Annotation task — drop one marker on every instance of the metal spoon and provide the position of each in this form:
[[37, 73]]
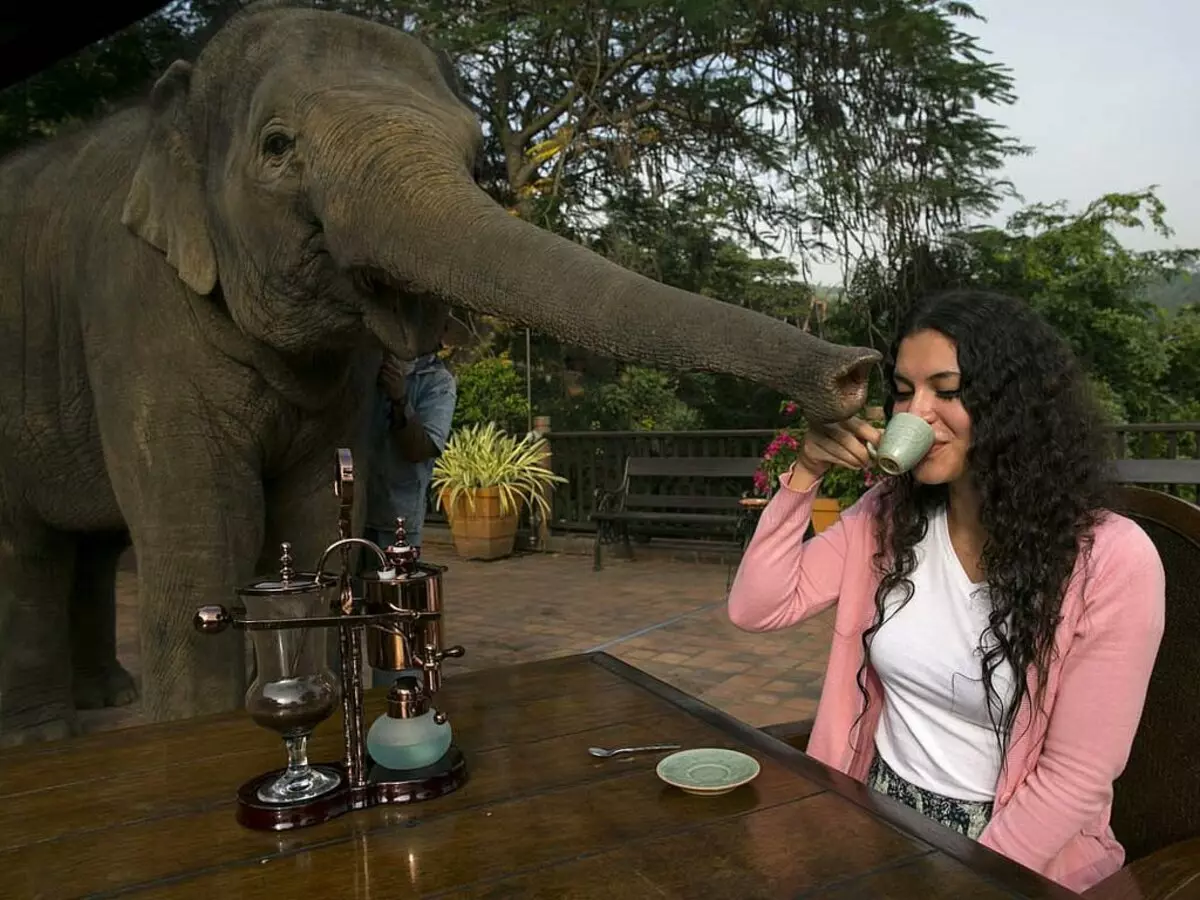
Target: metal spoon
[[605, 754]]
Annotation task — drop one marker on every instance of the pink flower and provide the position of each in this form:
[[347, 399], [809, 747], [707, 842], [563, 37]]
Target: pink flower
[[761, 482], [790, 409]]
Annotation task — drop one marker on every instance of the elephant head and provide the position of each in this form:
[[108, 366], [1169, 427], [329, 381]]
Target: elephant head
[[313, 172]]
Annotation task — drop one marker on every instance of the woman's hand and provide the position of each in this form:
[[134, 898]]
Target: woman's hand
[[834, 444]]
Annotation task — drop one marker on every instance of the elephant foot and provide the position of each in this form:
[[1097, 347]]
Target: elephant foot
[[49, 729], [111, 687]]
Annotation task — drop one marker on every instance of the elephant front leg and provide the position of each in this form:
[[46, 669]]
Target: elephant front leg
[[198, 533], [36, 564], [98, 679], [302, 510]]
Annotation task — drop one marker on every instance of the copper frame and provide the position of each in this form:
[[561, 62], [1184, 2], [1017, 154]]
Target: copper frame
[[363, 783]]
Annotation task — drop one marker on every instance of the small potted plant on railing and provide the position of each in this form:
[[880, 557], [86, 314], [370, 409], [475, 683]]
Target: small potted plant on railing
[[482, 479], [840, 487]]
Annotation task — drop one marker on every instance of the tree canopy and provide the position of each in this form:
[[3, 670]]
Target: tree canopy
[[724, 147]]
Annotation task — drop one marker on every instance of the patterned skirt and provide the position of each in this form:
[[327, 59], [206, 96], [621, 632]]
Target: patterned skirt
[[967, 817]]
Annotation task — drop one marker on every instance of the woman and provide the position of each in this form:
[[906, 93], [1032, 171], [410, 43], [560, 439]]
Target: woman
[[986, 583]]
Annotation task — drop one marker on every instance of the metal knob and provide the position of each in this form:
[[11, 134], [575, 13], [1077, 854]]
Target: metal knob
[[286, 569], [454, 652], [401, 554], [212, 619]]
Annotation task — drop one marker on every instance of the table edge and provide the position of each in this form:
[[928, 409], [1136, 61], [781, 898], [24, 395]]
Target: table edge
[[958, 847]]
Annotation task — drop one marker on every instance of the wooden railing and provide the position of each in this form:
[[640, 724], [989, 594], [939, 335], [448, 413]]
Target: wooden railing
[[1157, 440], [596, 459]]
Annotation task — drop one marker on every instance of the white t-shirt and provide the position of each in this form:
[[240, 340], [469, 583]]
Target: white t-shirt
[[934, 730]]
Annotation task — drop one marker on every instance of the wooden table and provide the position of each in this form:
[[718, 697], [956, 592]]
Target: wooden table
[[148, 812]]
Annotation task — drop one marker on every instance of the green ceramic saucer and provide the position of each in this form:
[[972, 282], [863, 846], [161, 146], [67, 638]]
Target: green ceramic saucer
[[708, 771]]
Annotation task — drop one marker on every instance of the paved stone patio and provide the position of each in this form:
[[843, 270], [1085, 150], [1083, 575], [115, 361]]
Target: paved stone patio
[[662, 615]]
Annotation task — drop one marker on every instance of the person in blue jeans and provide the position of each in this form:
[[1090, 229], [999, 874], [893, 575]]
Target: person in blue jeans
[[409, 430]]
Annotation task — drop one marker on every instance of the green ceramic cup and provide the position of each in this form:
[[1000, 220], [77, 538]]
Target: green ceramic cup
[[905, 442]]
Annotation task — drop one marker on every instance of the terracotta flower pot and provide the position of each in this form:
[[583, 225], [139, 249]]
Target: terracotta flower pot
[[825, 512], [482, 532]]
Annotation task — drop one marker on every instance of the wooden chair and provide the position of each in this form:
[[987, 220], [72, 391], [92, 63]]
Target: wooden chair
[[1156, 803]]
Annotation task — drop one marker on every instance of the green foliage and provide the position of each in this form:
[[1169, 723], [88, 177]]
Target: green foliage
[[644, 400], [1108, 400], [697, 142], [491, 390], [720, 147], [483, 456], [1074, 269], [843, 485], [91, 83], [797, 119], [1172, 293], [1179, 388], [846, 486]]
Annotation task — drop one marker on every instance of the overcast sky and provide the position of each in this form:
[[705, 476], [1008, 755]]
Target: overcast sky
[[1108, 95]]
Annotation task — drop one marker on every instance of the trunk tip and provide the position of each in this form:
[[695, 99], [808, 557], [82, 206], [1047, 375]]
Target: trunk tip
[[844, 392]]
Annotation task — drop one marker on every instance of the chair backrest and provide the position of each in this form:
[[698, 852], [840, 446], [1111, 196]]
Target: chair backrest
[[1157, 798]]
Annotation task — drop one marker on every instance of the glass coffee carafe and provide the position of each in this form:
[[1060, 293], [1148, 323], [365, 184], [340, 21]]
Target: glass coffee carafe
[[294, 689]]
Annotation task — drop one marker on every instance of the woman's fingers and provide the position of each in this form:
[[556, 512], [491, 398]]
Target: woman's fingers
[[828, 448], [863, 430], [844, 443], [855, 448]]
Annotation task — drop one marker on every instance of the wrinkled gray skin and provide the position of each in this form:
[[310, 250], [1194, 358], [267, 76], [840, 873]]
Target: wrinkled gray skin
[[190, 296]]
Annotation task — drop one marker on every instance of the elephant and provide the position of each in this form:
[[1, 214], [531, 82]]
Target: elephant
[[195, 293]]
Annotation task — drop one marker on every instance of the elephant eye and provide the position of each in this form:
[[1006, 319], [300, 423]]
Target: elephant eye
[[277, 144]]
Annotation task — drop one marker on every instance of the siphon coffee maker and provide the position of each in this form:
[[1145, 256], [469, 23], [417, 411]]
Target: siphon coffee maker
[[409, 753]]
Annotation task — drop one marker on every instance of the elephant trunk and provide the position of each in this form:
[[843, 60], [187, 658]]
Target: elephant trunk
[[436, 233]]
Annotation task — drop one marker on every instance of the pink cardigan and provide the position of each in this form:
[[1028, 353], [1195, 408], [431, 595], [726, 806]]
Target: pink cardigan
[[1054, 796]]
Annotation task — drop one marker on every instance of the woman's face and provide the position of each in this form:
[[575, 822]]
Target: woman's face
[[927, 384]]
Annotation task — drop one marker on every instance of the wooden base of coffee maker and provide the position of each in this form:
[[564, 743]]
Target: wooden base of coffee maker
[[384, 786]]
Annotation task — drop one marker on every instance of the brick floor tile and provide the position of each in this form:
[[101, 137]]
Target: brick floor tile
[[731, 666], [766, 699], [803, 706]]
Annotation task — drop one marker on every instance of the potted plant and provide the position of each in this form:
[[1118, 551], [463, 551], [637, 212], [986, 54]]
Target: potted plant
[[839, 489], [482, 479]]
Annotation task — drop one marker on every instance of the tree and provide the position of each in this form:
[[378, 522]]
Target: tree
[[798, 126], [1092, 289], [798, 121], [734, 132], [1182, 289], [1073, 268], [490, 389]]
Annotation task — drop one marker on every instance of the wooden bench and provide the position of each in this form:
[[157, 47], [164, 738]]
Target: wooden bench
[[678, 511]]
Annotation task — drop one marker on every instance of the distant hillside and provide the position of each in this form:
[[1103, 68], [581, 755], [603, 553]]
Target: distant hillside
[[1176, 292]]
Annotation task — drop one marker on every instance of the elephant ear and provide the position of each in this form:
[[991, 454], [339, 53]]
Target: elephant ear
[[449, 73], [165, 205]]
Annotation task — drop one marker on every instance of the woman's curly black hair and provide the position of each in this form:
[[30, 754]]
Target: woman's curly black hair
[[1036, 459]]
